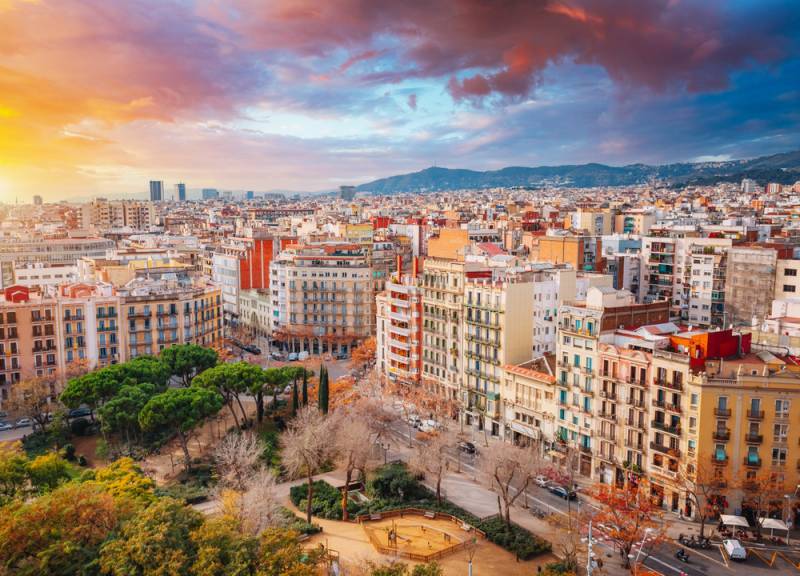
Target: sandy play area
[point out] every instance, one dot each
(415, 537)
(351, 542)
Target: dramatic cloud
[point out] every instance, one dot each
(96, 94)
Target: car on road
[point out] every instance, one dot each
(277, 356)
(5, 426)
(292, 356)
(252, 349)
(341, 356)
(562, 492)
(414, 421)
(734, 549)
(467, 448)
(542, 481)
(302, 355)
(429, 426)
(23, 422)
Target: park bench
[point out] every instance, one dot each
(430, 514)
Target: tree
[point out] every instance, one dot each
(13, 474)
(699, 484)
(282, 554)
(120, 415)
(180, 410)
(59, 533)
(188, 360)
(353, 449)
(305, 387)
(272, 382)
(763, 495)
(124, 480)
(231, 381)
(364, 354)
(33, 399)
(629, 514)
(295, 399)
(157, 541)
(257, 507)
(323, 392)
(431, 459)
(237, 457)
(306, 446)
(223, 551)
(47, 471)
(511, 469)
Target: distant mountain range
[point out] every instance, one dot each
(783, 168)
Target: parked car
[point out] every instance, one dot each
(341, 356)
(429, 426)
(562, 492)
(277, 356)
(734, 549)
(467, 448)
(414, 420)
(542, 481)
(302, 355)
(5, 426)
(23, 422)
(3, 414)
(292, 356)
(252, 349)
(81, 412)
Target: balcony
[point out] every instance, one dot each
(663, 426)
(754, 438)
(659, 403)
(139, 314)
(665, 449)
(585, 449)
(719, 459)
(750, 486)
(722, 412)
(608, 416)
(755, 414)
(752, 462)
(608, 395)
(722, 435)
(636, 403)
(635, 424)
(633, 445)
(719, 484)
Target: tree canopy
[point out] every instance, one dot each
(186, 361)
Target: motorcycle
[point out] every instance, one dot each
(705, 543)
(682, 556)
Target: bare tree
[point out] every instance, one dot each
(372, 411)
(353, 449)
(32, 398)
(238, 457)
(307, 444)
(431, 459)
(699, 484)
(255, 509)
(511, 469)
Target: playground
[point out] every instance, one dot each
(409, 537)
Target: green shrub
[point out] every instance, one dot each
(395, 482)
(292, 522)
(80, 427)
(513, 538)
(326, 503)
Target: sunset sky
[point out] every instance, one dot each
(100, 96)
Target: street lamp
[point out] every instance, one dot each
(638, 553)
(385, 452)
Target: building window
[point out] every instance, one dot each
(788, 288)
(790, 272)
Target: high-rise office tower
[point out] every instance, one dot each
(347, 192)
(250, 195)
(180, 192)
(210, 193)
(37, 200)
(156, 190)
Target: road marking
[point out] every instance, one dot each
(722, 553)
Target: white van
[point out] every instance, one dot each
(734, 549)
(302, 356)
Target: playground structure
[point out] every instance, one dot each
(417, 534)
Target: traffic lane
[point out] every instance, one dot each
(15, 434)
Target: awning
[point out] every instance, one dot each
(772, 524)
(731, 520)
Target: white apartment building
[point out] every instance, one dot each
(552, 286)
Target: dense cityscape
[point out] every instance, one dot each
(347, 288)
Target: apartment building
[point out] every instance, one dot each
(105, 215)
(241, 264)
(529, 402)
(498, 330)
(443, 282)
(552, 286)
(582, 252)
(161, 313)
(787, 279)
(400, 327)
(329, 298)
(750, 283)
(583, 415)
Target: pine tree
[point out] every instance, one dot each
(295, 399)
(305, 388)
(322, 399)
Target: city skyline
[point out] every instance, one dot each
(100, 100)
